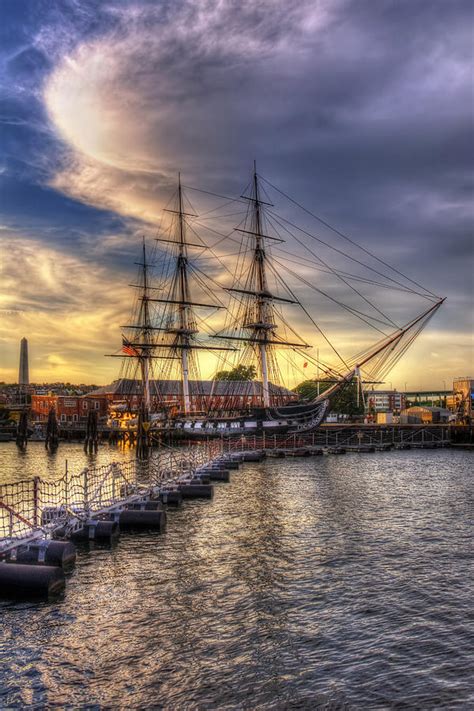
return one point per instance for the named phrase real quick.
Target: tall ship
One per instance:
(213, 293)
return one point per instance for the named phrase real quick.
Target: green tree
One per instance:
(343, 402)
(240, 372)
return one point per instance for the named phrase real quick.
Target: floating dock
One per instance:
(40, 520)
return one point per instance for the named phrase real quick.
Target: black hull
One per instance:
(285, 420)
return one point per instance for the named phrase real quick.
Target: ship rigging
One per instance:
(189, 308)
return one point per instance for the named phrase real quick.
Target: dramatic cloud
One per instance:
(70, 310)
(362, 110)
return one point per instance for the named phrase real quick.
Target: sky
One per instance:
(361, 109)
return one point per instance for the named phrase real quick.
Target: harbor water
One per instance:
(338, 582)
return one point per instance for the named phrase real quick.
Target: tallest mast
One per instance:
(256, 315)
(263, 322)
(183, 306)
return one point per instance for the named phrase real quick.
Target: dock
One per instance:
(42, 520)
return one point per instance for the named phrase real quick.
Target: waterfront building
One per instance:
(420, 414)
(126, 395)
(386, 418)
(385, 401)
(206, 395)
(69, 408)
(463, 398)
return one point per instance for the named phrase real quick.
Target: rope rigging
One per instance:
(253, 311)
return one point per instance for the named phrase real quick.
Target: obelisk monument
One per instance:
(24, 378)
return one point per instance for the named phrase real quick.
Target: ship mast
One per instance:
(141, 346)
(184, 306)
(262, 327)
(259, 315)
(146, 346)
(263, 323)
(179, 318)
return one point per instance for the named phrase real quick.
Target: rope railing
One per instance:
(37, 504)
(338, 437)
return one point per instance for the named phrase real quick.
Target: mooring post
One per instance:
(36, 483)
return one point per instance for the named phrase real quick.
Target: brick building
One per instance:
(206, 395)
(69, 408)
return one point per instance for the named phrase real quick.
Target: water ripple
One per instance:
(333, 583)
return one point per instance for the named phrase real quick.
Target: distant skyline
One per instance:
(361, 109)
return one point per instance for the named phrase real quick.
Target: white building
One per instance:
(385, 400)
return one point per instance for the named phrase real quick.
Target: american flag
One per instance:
(128, 348)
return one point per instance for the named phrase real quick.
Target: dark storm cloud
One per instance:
(361, 108)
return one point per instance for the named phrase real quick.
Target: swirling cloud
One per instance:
(361, 109)
(158, 94)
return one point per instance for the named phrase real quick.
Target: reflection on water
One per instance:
(339, 582)
(36, 460)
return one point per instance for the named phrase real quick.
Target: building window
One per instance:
(63, 418)
(74, 418)
(96, 404)
(84, 404)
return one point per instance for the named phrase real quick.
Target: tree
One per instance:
(240, 372)
(343, 402)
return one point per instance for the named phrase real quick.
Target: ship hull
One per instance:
(284, 420)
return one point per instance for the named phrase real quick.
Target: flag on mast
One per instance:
(128, 349)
